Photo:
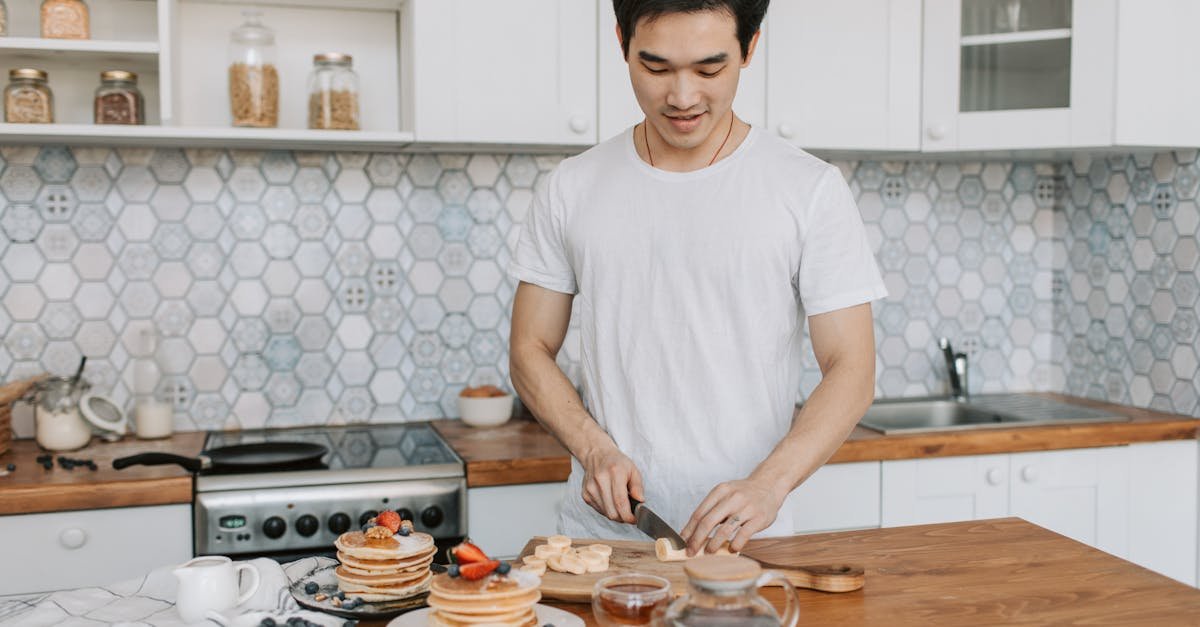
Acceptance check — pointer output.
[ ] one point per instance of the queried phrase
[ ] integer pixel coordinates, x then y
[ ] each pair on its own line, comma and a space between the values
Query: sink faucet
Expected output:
956, 366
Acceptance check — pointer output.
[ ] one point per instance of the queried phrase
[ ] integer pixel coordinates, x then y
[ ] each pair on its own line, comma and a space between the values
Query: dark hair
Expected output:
747, 13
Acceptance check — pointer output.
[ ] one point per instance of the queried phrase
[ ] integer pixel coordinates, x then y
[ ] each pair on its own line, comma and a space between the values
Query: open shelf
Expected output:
219, 137
1015, 38
80, 47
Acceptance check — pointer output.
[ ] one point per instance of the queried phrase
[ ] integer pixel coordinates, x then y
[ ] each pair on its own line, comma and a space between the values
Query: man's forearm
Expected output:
549, 395
820, 426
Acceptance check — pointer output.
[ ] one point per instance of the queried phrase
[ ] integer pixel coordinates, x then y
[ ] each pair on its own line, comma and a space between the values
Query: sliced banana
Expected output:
537, 568
533, 559
545, 551
666, 553
595, 562
602, 549
561, 543
572, 564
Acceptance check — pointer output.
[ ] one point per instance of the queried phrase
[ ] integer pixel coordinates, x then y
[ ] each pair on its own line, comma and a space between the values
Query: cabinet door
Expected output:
619, 109
1004, 74
837, 497
1163, 508
944, 489
91, 548
518, 71
1156, 46
534, 506
1080, 493
846, 74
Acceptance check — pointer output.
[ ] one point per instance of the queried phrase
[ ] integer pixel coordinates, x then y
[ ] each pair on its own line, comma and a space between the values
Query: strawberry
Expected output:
477, 570
389, 519
467, 553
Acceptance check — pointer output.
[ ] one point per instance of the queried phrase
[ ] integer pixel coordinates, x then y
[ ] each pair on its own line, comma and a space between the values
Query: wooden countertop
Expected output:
521, 451
988, 572
30, 488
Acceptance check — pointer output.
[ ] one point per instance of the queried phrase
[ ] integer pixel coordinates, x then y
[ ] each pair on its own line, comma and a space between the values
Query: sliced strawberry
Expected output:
467, 553
477, 570
389, 519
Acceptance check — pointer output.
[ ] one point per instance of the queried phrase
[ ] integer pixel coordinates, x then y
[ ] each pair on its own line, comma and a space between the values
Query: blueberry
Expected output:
503, 568
11, 467
452, 570
267, 622
340, 595
367, 525
404, 531
311, 587
348, 623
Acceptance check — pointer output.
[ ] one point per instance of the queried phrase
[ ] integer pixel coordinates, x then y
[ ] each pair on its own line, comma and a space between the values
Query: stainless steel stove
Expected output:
407, 467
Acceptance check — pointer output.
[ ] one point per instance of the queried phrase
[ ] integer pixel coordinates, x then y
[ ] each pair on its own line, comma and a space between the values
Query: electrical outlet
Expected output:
968, 344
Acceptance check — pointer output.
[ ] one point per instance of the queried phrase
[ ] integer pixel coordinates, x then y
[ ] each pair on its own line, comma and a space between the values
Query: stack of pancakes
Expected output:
384, 569
493, 600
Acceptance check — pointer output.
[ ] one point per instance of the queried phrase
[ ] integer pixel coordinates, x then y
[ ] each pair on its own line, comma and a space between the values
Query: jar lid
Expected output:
722, 569
332, 57
253, 32
27, 73
118, 75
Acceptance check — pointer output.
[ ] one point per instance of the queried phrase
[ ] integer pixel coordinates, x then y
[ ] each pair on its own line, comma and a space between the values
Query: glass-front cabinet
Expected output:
1018, 74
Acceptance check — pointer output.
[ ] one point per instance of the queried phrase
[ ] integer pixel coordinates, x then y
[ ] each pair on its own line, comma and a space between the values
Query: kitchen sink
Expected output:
918, 415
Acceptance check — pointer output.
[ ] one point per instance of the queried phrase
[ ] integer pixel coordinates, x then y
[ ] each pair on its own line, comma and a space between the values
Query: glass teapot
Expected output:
723, 591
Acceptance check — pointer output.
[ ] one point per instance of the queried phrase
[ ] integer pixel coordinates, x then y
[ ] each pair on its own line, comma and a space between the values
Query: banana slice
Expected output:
666, 553
537, 567
602, 549
562, 543
544, 551
533, 559
572, 564
595, 562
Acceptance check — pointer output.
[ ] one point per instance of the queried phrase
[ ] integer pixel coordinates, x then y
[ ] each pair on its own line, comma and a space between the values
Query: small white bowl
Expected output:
487, 411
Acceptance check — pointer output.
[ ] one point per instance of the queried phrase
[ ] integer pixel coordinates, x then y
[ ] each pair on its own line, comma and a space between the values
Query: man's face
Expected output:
684, 68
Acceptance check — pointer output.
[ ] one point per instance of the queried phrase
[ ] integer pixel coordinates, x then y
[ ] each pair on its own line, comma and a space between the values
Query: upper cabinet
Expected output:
845, 75
1158, 56
1009, 74
517, 71
619, 109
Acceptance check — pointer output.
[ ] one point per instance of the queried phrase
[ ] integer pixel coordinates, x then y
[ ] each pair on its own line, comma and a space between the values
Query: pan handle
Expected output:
193, 464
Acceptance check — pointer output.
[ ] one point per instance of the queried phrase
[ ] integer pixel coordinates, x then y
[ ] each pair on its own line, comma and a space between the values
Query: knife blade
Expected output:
653, 525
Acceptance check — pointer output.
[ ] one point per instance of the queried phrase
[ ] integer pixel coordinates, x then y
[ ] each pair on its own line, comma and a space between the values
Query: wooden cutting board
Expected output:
638, 557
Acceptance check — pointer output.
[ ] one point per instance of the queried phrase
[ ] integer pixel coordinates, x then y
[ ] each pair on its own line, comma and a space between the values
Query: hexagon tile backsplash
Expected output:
308, 288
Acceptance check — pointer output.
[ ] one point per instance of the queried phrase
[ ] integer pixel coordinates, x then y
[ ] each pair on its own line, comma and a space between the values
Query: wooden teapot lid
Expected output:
722, 568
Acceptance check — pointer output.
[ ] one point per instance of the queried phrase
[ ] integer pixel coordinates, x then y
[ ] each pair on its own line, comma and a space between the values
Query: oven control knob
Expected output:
367, 515
339, 523
405, 514
274, 527
307, 525
432, 516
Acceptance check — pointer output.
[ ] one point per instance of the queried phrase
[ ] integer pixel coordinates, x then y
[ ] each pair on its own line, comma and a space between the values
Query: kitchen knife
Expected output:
653, 525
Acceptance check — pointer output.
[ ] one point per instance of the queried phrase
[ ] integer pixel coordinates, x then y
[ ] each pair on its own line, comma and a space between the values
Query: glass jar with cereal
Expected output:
65, 19
332, 93
253, 77
28, 99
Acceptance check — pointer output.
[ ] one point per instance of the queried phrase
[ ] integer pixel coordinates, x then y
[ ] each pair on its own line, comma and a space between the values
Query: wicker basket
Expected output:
9, 393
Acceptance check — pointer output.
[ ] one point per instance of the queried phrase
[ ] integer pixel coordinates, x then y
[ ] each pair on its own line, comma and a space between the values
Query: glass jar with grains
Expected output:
332, 93
253, 78
28, 99
118, 99
65, 19
3, 19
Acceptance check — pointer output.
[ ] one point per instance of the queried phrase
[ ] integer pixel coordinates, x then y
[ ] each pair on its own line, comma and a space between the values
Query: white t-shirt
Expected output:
691, 290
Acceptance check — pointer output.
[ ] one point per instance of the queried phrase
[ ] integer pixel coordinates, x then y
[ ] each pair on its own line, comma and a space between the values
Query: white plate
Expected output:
545, 614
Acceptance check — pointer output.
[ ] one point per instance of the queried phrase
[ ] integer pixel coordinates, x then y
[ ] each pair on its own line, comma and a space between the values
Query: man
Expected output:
691, 246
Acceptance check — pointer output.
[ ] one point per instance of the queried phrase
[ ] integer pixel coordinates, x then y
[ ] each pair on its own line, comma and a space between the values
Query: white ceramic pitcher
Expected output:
211, 584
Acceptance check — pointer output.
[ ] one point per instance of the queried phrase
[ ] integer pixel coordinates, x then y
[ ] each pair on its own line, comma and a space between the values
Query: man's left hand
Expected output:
733, 511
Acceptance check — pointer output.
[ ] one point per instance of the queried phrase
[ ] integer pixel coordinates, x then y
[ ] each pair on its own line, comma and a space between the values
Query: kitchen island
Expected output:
999, 571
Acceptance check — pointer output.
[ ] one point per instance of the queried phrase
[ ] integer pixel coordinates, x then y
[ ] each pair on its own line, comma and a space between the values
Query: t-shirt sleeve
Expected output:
541, 254
837, 268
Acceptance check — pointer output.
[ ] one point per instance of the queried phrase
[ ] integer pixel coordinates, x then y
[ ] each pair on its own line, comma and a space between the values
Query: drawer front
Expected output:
93, 547
837, 497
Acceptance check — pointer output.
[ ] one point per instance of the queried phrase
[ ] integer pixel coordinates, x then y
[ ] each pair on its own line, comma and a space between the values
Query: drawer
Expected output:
837, 497
92, 547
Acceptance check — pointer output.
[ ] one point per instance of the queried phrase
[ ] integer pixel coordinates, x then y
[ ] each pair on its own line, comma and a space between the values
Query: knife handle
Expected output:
825, 577
633, 504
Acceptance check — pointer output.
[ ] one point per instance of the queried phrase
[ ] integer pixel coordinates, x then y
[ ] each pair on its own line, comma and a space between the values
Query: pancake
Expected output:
357, 545
385, 580
384, 593
527, 619
410, 570
516, 583
492, 601
420, 560
485, 606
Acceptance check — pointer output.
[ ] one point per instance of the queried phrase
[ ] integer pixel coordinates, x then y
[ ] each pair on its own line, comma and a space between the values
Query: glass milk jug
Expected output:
723, 592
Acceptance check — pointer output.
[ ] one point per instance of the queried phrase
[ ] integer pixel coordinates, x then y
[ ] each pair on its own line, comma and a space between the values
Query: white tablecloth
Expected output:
150, 600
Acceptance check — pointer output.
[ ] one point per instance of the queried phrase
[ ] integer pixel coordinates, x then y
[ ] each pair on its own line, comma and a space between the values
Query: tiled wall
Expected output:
1128, 310
304, 288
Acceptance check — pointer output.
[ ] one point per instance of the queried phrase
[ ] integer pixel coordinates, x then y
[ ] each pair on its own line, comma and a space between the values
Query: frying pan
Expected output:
239, 457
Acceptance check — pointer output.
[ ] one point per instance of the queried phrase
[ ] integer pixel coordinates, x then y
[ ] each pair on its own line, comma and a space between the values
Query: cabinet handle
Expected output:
994, 476
579, 124
72, 538
1029, 474
786, 131
937, 132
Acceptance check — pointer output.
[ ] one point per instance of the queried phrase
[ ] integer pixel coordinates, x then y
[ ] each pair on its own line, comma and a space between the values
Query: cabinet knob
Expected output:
994, 476
579, 124
786, 131
1029, 474
937, 132
72, 538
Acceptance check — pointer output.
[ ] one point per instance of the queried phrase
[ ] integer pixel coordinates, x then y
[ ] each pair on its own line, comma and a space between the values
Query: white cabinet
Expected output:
618, 108
502, 519
837, 497
1138, 502
1157, 48
44, 552
518, 71
846, 74
1000, 74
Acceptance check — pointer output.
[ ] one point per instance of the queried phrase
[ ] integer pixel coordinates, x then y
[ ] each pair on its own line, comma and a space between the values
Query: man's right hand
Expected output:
610, 478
